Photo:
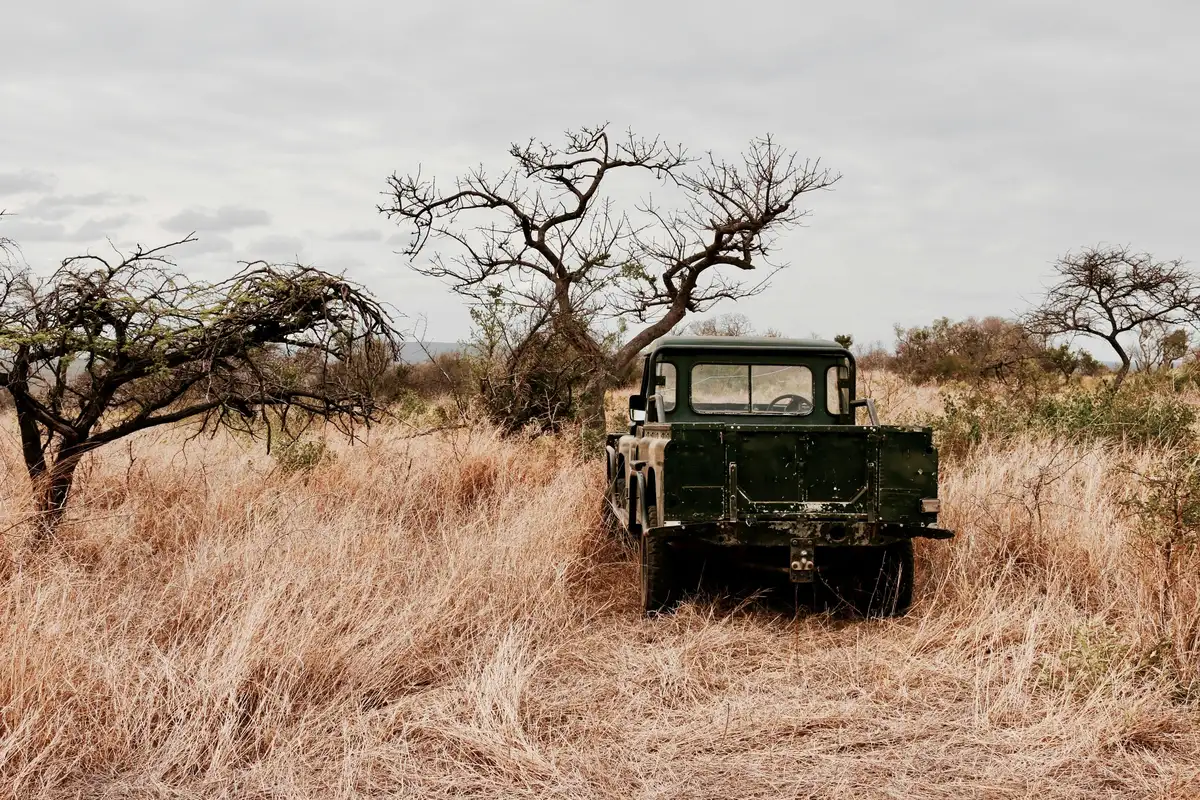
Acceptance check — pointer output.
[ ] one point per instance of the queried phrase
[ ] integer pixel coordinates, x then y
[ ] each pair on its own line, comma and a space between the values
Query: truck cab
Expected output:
749, 448
738, 379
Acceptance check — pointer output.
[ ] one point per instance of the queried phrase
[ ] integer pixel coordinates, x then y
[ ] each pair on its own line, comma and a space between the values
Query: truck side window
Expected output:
833, 395
666, 370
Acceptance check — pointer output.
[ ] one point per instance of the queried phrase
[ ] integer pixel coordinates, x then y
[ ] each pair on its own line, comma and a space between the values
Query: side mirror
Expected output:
637, 408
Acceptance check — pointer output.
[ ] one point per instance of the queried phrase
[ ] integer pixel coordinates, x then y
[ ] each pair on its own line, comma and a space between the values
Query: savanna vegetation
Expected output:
410, 591
445, 615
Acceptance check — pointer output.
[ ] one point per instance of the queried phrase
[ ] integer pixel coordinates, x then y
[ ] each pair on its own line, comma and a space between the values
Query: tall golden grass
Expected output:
445, 617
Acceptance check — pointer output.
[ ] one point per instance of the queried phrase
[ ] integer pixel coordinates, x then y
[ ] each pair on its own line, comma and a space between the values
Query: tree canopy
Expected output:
1109, 292
104, 347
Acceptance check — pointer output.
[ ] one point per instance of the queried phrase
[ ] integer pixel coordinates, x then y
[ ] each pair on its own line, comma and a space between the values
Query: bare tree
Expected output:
7, 246
721, 325
547, 234
1109, 292
1159, 346
105, 347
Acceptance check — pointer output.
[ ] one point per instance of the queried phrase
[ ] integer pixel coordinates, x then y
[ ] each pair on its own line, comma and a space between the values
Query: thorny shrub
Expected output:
1165, 503
1139, 414
976, 350
301, 455
533, 386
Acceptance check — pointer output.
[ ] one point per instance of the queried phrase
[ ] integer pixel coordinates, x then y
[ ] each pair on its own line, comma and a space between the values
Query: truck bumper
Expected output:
825, 532
802, 540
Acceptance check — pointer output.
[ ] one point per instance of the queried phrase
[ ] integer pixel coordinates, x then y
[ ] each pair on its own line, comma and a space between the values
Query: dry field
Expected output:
436, 617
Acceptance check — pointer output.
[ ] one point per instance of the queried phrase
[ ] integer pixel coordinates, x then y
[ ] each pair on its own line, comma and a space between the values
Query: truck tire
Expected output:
660, 590
872, 581
633, 509
887, 590
894, 591
609, 523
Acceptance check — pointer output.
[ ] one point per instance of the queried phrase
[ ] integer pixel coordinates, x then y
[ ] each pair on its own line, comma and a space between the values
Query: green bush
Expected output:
1139, 414
983, 350
301, 455
1135, 415
409, 404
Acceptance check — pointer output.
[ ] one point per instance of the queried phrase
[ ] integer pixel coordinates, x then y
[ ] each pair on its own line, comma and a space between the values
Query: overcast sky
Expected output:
977, 140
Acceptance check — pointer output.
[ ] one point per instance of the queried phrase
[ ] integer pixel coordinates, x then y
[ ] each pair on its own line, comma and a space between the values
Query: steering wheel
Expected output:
798, 404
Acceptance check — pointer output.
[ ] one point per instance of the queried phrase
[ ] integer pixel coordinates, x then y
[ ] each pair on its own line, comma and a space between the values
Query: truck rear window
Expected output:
751, 389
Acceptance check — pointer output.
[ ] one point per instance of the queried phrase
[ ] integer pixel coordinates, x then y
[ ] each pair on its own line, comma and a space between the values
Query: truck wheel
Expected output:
887, 590
660, 591
609, 522
872, 581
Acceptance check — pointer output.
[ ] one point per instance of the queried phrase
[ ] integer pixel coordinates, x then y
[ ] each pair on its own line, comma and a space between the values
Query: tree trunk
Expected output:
52, 489
1125, 363
591, 400
33, 449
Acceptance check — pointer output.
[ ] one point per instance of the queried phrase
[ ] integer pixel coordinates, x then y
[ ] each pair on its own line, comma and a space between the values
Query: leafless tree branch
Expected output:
547, 232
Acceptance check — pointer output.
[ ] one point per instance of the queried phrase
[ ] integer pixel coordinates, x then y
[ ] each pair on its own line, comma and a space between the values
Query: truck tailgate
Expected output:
875, 473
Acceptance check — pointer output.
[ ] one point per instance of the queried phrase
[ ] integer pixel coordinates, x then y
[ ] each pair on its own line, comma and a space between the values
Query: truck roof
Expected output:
745, 343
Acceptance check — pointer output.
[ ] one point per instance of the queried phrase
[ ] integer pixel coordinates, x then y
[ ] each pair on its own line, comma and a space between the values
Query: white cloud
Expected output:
276, 247
341, 263
357, 235
100, 228
54, 207
204, 245
977, 141
225, 218
21, 230
25, 181
96, 229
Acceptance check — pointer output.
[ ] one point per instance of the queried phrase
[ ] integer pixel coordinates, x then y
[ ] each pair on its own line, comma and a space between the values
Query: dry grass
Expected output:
444, 617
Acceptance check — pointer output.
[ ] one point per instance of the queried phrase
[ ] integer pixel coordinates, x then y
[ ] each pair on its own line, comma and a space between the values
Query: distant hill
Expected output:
414, 352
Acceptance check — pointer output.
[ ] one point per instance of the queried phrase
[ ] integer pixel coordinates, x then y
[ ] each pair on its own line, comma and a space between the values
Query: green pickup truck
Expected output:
746, 450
